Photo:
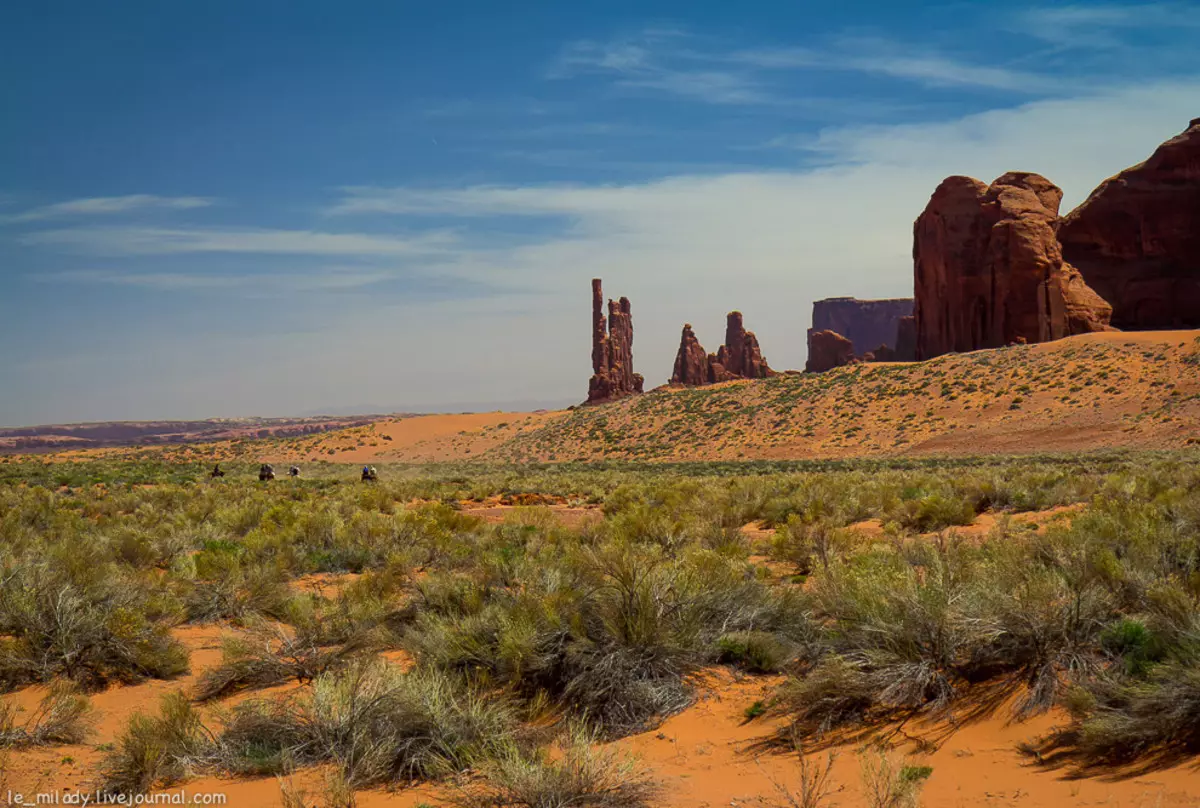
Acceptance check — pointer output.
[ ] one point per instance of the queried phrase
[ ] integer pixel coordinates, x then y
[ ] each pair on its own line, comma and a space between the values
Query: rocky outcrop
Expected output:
612, 350
691, 363
740, 355
989, 270
1136, 240
866, 323
827, 350
739, 358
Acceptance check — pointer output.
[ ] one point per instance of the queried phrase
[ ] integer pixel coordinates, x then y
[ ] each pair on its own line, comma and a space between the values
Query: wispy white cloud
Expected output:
105, 205
674, 63
322, 280
118, 241
883, 57
654, 61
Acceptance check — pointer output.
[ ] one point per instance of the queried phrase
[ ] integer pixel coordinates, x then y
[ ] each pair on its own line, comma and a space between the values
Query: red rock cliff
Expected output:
612, 350
989, 271
1136, 240
827, 350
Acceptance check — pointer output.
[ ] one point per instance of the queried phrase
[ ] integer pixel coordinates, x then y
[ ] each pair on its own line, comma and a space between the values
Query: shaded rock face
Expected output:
691, 363
989, 270
612, 350
828, 350
906, 339
740, 355
739, 358
866, 323
1136, 240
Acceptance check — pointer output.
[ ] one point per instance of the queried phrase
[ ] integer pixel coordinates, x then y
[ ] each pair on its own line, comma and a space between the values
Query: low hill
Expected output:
1106, 390
58, 437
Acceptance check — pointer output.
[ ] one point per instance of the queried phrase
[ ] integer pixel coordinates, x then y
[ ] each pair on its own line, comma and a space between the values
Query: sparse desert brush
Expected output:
267, 656
889, 782
377, 724
157, 751
62, 717
218, 584
583, 774
70, 613
1156, 718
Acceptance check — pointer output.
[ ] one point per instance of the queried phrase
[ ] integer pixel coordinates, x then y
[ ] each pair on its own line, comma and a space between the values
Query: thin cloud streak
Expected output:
323, 280
118, 241
107, 205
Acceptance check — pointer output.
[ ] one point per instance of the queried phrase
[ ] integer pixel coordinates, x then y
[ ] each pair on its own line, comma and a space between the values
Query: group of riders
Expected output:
267, 472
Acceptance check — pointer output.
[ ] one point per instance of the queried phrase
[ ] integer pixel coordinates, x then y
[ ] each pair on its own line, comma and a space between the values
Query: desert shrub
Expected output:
268, 656
73, 614
936, 511
755, 651
890, 783
62, 717
1155, 718
377, 724
157, 751
582, 775
217, 585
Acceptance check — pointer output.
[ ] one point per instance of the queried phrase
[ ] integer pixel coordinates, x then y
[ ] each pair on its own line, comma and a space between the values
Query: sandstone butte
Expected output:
989, 271
868, 324
827, 350
1136, 240
612, 350
739, 358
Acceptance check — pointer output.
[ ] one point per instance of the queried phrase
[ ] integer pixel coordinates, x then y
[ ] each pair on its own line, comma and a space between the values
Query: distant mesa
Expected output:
868, 324
989, 271
1136, 240
739, 358
612, 350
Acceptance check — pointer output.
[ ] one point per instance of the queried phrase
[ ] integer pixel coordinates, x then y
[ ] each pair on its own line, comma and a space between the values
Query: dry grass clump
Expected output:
70, 613
62, 717
581, 774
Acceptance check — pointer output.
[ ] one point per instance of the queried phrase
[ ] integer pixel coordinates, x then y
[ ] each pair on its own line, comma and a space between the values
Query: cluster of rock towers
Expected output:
993, 265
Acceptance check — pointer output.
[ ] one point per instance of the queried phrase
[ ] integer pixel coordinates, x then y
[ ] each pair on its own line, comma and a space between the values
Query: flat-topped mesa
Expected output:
828, 350
739, 358
612, 350
989, 272
1136, 240
868, 324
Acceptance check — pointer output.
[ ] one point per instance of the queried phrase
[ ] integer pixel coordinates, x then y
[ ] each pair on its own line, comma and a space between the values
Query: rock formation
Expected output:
1136, 240
691, 363
989, 270
740, 355
739, 358
827, 350
612, 350
866, 323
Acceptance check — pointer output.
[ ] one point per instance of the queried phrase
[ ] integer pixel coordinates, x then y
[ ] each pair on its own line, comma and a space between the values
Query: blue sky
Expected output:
258, 208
